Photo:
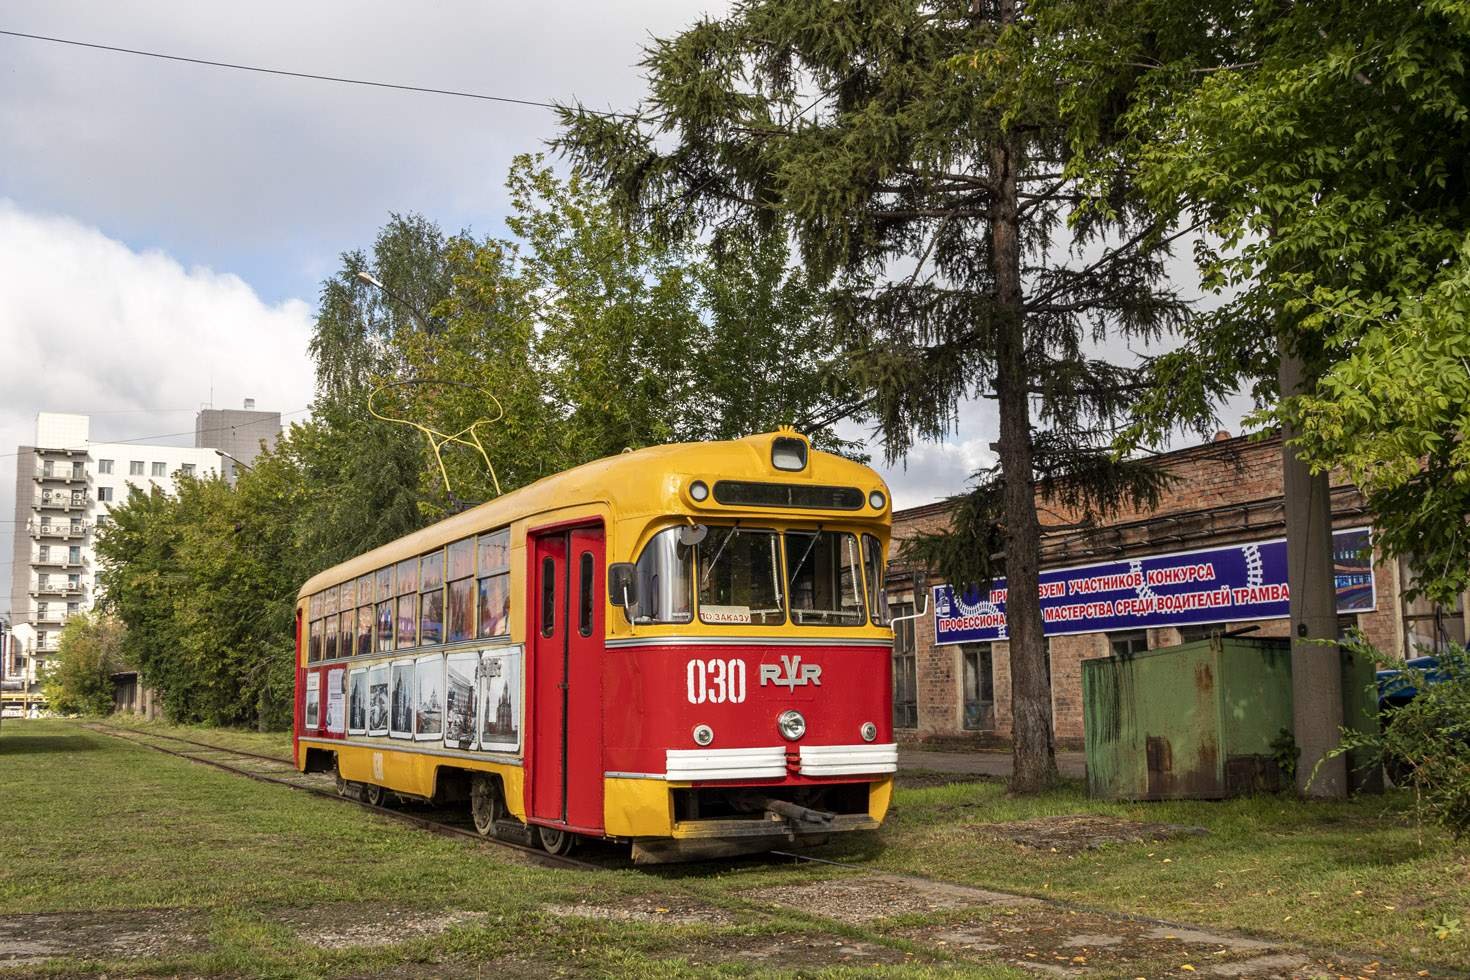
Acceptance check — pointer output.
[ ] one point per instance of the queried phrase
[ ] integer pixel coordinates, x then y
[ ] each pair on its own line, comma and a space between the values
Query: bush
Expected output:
1426, 742
78, 679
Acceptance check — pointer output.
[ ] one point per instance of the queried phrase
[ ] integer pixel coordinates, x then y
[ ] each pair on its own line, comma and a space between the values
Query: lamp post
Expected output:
430, 326
224, 455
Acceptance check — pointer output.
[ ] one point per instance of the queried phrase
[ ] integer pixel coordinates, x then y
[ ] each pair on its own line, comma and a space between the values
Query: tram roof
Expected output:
647, 481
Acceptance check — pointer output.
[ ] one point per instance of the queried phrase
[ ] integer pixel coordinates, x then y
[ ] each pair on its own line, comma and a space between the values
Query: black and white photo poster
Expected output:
357, 684
428, 710
460, 700
500, 699
378, 700
313, 700
401, 724
335, 699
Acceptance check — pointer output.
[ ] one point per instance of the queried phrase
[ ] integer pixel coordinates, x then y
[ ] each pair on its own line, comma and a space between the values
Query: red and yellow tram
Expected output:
682, 647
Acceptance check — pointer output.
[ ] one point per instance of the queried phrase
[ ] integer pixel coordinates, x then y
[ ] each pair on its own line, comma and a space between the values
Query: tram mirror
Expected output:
622, 584
691, 534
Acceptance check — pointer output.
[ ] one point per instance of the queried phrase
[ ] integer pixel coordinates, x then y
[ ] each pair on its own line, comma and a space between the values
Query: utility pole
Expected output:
1316, 668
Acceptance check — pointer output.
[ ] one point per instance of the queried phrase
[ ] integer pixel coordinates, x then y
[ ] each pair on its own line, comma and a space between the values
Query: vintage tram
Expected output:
683, 647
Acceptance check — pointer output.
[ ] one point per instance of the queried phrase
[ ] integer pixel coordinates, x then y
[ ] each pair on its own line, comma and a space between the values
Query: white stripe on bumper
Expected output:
848, 760
757, 763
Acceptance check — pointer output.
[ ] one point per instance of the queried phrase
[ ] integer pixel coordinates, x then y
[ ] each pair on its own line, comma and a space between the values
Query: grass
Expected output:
1358, 875
228, 876
99, 827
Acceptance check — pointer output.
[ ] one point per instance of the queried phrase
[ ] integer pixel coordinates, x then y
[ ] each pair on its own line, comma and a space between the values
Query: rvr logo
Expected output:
791, 673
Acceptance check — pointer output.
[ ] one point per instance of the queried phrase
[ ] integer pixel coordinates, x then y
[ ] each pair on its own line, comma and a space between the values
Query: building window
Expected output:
905, 669
977, 678
1126, 643
45, 553
104, 494
74, 555
103, 520
104, 466
187, 469
1429, 627
160, 469
1201, 631
77, 470
135, 468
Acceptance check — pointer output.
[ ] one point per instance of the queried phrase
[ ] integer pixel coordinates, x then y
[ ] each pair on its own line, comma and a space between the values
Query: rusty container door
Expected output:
1189, 722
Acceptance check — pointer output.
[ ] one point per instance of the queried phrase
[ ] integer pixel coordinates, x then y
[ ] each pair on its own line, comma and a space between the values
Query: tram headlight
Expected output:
876, 500
869, 730
703, 734
791, 724
699, 490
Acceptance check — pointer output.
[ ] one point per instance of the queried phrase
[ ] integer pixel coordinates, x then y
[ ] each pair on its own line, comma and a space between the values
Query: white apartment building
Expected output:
65, 488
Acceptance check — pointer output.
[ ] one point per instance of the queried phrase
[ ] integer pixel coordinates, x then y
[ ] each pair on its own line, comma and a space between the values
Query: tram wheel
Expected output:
344, 788
486, 805
374, 795
558, 842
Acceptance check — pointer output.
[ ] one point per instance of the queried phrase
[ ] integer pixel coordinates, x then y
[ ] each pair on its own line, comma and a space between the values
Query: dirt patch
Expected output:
792, 952
29, 939
1068, 942
680, 911
1085, 832
359, 927
864, 898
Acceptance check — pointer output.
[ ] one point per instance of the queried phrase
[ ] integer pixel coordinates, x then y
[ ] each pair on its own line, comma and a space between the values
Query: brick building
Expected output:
1227, 495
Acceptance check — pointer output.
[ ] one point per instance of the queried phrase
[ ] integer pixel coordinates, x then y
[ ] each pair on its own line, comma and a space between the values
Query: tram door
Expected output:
566, 641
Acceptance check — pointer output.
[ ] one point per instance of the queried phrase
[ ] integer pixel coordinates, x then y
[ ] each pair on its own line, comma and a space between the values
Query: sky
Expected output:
165, 227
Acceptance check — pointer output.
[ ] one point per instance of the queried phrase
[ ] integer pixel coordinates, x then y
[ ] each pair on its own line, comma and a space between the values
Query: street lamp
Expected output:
224, 455
430, 326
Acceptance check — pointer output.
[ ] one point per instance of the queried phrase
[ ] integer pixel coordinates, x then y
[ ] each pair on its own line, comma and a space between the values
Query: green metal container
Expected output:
1189, 722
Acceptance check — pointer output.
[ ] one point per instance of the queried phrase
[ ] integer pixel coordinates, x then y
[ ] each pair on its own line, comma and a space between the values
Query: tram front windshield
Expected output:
752, 576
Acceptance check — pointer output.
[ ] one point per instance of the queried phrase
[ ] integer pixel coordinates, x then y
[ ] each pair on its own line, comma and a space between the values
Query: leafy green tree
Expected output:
79, 677
1322, 147
928, 189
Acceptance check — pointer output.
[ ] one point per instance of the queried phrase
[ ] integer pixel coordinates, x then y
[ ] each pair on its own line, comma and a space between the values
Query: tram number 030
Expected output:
716, 681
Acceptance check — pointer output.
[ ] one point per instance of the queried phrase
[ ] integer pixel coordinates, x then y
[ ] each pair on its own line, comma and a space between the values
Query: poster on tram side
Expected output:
1226, 584
336, 717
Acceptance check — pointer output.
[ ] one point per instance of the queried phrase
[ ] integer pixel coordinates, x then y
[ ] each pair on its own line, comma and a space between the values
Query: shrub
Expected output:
1425, 743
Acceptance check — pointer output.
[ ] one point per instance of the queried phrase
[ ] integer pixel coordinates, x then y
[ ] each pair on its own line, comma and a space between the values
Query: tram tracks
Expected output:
286, 774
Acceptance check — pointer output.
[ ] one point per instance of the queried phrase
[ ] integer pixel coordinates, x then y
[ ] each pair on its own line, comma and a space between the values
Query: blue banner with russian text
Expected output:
1234, 584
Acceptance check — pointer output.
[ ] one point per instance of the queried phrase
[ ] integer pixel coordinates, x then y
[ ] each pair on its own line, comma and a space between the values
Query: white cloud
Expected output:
89, 325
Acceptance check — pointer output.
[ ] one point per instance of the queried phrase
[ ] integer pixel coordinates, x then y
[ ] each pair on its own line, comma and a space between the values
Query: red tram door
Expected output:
566, 646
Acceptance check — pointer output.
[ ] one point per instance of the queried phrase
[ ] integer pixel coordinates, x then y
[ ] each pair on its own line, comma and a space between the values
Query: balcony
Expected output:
63, 560
57, 588
63, 531
50, 618
62, 500
67, 475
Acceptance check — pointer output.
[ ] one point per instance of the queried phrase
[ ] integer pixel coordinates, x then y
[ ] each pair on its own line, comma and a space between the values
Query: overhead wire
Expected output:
313, 76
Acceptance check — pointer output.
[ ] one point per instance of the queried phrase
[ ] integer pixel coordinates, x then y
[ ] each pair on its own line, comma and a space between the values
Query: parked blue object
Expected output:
1396, 688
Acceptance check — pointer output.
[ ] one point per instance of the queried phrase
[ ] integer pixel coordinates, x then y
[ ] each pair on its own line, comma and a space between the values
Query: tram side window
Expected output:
493, 551
665, 579
431, 592
365, 615
823, 578
385, 594
459, 605
740, 576
330, 652
314, 643
877, 572
407, 577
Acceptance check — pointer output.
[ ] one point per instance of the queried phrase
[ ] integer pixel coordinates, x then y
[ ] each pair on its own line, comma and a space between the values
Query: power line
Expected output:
455, 93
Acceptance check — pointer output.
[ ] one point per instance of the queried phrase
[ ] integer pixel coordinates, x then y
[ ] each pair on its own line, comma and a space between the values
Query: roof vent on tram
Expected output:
789, 452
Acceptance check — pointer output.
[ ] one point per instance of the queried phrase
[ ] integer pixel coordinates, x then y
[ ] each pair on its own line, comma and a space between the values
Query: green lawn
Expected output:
1360, 875
221, 875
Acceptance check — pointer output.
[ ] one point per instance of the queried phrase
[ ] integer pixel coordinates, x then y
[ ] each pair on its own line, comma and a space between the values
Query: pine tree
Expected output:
914, 153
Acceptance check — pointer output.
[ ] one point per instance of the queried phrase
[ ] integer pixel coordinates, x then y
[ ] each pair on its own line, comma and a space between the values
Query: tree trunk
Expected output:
1316, 669
1032, 752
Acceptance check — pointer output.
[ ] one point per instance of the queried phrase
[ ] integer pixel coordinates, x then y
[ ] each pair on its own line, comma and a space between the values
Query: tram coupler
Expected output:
797, 813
